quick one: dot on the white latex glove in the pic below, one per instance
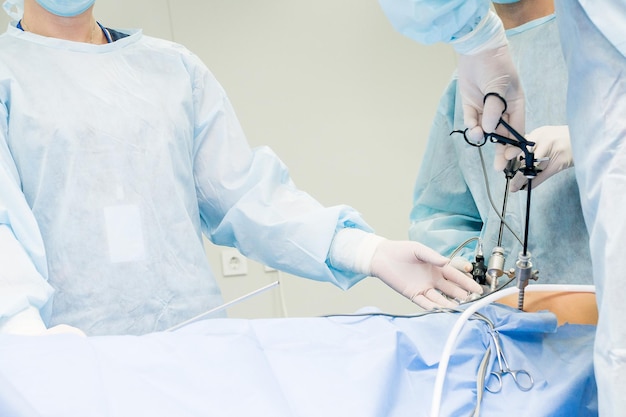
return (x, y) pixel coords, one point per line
(488, 68)
(462, 264)
(490, 71)
(551, 142)
(421, 274)
(466, 266)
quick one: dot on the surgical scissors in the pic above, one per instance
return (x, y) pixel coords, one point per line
(521, 377)
(528, 168)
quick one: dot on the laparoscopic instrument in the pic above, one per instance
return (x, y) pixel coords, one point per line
(494, 382)
(521, 377)
(523, 271)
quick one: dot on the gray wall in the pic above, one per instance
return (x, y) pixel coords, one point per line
(342, 98)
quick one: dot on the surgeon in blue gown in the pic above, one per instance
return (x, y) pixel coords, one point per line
(594, 47)
(117, 152)
(451, 201)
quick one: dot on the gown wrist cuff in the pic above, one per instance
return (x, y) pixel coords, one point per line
(353, 250)
(488, 34)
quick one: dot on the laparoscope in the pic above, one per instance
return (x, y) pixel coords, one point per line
(489, 274)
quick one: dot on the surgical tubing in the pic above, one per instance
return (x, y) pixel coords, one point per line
(458, 325)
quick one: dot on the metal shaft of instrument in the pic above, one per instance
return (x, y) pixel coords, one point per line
(520, 299)
(527, 222)
(520, 296)
(506, 197)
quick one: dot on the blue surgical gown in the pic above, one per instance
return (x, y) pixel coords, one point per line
(450, 196)
(115, 159)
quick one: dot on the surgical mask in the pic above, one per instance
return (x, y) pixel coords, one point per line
(505, 1)
(14, 8)
(66, 8)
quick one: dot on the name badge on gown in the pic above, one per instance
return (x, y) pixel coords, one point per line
(124, 233)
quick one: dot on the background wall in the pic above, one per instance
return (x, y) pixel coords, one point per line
(340, 96)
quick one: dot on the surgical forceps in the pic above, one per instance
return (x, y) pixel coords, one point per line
(521, 377)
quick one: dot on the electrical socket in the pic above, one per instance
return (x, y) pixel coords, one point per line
(234, 263)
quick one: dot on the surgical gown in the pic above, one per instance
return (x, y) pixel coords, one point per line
(450, 197)
(596, 58)
(430, 21)
(115, 159)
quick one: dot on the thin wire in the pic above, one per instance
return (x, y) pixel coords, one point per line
(462, 245)
(505, 200)
(438, 310)
(380, 313)
(482, 162)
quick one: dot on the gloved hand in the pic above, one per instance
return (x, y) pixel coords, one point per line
(461, 264)
(490, 71)
(551, 142)
(466, 266)
(421, 274)
(485, 66)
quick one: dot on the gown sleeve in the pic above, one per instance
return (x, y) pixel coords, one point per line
(248, 200)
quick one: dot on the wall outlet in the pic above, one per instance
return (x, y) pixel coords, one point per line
(233, 263)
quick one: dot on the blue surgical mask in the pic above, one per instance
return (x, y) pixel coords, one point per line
(66, 8)
(505, 1)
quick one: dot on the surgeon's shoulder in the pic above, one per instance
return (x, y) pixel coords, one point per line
(193, 63)
(165, 46)
(6, 41)
(9, 52)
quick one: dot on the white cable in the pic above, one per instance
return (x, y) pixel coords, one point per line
(458, 325)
